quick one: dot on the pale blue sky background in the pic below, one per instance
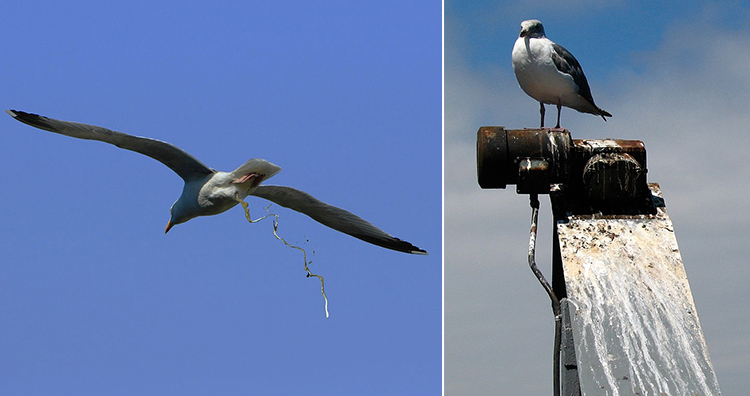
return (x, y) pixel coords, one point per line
(673, 74)
(95, 299)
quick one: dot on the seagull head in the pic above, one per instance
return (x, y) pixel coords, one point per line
(532, 28)
(188, 205)
(178, 214)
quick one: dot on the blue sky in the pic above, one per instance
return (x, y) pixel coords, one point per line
(95, 299)
(674, 75)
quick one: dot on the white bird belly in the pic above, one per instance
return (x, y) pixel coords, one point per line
(538, 76)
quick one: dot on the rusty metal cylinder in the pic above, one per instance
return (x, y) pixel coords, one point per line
(503, 156)
(595, 173)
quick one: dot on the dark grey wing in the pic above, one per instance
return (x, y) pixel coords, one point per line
(336, 218)
(567, 63)
(184, 164)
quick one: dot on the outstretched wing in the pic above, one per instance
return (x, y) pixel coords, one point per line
(336, 218)
(182, 163)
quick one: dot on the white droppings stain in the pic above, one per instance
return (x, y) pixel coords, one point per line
(635, 323)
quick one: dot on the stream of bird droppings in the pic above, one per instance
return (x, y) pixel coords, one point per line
(275, 229)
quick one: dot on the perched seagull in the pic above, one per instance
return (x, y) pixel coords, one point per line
(550, 74)
(209, 192)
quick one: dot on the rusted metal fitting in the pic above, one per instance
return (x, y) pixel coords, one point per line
(606, 170)
(530, 158)
(533, 176)
(611, 176)
(614, 170)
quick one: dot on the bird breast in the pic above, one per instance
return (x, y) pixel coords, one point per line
(217, 194)
(537, 75)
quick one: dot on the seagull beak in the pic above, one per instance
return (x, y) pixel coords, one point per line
(169, 226)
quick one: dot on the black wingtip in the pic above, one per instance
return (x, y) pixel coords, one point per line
(20, 115)
(34, 120)
(407, 247)
(27, 118)
(411, 248)
(396, 244)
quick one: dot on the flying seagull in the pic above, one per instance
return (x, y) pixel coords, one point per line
(550, 74)
(210, 192)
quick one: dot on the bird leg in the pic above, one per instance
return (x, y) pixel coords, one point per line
(541, 111)
(559, 108)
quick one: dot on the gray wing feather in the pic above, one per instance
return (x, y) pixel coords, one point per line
(336, 218)
(182, 163)
(568, 64)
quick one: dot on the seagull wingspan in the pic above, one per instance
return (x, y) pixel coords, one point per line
(336, 218)
(182, 163)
